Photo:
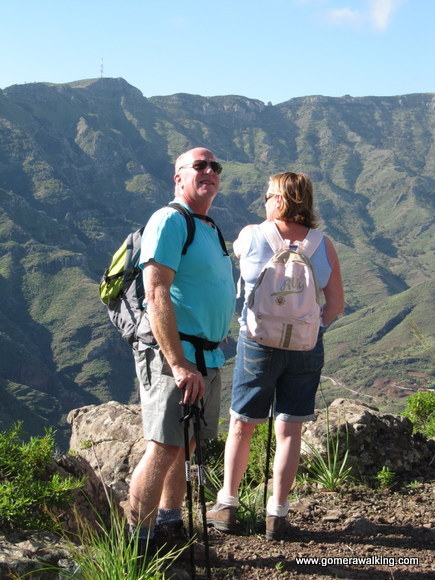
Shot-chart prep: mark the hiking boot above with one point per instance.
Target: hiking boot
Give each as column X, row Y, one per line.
column 170, row 537
column 173, row 537
column 146, row 550
column 222, row 517
column 175, row 572
column 276, row 527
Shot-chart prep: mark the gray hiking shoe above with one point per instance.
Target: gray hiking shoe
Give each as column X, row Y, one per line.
column 276, row 527
column 222, row 517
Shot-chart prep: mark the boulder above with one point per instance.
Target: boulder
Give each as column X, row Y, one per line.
column 374, row 440
column 110, row 438
column 34, row 554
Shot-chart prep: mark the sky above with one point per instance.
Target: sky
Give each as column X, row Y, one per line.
column 271, row 50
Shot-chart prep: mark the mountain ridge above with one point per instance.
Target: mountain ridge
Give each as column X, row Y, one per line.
column 84, row 163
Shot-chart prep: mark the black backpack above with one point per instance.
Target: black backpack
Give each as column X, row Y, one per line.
column 121, row 287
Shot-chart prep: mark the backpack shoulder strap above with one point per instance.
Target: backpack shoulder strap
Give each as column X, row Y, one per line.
column 190, row 223
column 312, row 241
column 272, row 235
column 212, row 222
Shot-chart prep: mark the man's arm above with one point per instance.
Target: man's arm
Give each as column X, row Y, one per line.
column 158, row 280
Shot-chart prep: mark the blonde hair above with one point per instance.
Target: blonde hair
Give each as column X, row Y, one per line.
column 296, row 190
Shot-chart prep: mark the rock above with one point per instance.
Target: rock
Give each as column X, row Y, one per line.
column 332, row 516
column 374, row 440
column 363, row 527
column 32, row 553
column 110, row 438
column 92, row 503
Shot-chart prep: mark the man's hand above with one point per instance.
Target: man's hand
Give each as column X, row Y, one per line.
column 188, row 377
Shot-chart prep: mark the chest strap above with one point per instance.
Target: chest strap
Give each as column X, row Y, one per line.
column 200, row 344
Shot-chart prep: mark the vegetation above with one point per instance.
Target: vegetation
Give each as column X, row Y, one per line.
column 95, row 552
column 330, row 471
column 83, row 164
column 385, row 477
column 28, row 489
column 420, row 409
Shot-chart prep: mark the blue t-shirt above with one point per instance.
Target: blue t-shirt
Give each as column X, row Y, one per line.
column 203, row 292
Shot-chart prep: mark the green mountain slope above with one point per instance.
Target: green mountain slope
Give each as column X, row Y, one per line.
column 83, row 164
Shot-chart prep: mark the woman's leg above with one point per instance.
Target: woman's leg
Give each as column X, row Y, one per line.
column 236, row 454
column 287, row 457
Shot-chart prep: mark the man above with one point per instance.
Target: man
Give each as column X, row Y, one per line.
column 193, row 294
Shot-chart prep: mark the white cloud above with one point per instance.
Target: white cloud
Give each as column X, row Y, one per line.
column 381, row 12
column 343, row 15
column 376, row 12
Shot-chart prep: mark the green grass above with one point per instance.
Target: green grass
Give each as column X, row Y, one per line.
column 110, row 553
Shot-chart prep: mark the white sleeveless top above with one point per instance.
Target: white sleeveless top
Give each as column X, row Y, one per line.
column 259, row 253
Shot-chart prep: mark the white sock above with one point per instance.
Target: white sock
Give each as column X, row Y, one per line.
column 232, row 500
column 273, row 509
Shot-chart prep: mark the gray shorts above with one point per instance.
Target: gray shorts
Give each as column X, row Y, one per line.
column 160, row 400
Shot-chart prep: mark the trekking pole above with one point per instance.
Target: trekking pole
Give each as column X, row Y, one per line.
column 198, row 415
column 269, row 442
column 187, row 413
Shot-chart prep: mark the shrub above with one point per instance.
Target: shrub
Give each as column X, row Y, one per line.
column 27, row 488
column 420, row 410
column 385, row 477
column 329, row 469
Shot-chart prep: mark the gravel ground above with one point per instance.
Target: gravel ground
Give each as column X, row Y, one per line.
column 358, row 533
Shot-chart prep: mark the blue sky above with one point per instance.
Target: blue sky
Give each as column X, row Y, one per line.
column 272, row 50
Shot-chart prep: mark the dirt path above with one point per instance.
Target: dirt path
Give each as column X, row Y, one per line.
column 357, row 534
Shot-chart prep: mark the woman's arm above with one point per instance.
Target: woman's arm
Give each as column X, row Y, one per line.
column 241, row 245
column 333, row 291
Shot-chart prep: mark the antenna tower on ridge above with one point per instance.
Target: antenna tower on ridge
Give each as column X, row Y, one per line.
column 101, row 68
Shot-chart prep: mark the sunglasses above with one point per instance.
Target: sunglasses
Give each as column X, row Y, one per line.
column 201, row 164
column 267, row 197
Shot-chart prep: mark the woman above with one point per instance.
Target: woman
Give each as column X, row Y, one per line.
column 263, row 374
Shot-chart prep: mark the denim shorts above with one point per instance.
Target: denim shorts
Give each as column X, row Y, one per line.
column 262, row 373
column 161, row 400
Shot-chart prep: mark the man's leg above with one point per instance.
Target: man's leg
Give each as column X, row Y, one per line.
column 174, row 485
column 148, row 481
